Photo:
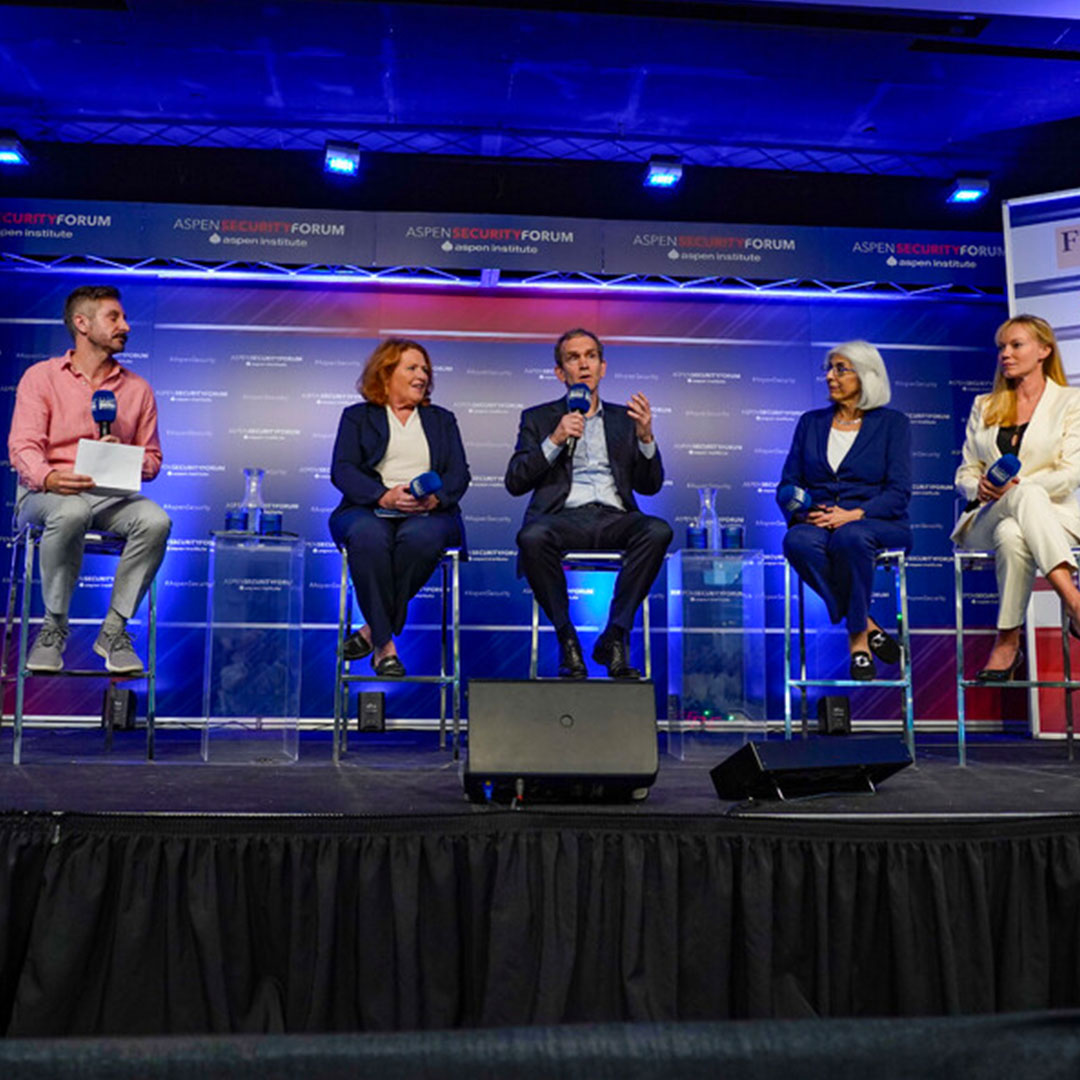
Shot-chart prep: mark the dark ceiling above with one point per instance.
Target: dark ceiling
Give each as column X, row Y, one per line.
column 784, row 112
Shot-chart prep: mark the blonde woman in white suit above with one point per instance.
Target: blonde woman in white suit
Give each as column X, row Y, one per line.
column 1033, row 520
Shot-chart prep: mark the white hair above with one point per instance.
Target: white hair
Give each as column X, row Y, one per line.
column 870, row 368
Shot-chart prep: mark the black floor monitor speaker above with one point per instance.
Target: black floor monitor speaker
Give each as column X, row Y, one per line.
column 834, row 715
column 118, row 708
column 371, row 710
column 802, row 767
column 560, row 741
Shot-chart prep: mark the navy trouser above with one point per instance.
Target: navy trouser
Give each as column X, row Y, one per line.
column 839, row 565
column 390, row 559
column 643, row 539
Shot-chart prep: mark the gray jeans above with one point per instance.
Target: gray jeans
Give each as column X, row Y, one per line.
column 65, row 520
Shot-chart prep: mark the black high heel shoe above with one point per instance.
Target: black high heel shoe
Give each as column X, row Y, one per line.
column 1002, row 675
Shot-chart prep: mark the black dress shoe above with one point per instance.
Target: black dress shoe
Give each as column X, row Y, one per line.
column 356, row 647
column 612, row 651
column 571, row 659
column 862, row 666
column 885, row 648
column 389, row 666
column 1000, row 675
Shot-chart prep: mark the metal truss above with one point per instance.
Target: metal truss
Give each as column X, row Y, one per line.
column 477, row 142
column 570, row 281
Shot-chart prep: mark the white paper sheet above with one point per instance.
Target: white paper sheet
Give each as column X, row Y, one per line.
column 115, row 467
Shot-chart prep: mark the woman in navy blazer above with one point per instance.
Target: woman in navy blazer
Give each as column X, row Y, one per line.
column 393, row 540
column 852, row 460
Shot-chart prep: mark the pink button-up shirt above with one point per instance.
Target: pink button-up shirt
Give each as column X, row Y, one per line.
column 52, row 413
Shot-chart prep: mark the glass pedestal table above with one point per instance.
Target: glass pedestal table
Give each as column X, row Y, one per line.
column 251, row 684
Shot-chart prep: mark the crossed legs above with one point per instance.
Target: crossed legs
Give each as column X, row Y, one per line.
column 839, row 565
column 1027, row 534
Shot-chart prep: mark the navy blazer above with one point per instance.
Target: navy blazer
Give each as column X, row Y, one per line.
column 875, row 475
column 362, row 438
column 550, row 483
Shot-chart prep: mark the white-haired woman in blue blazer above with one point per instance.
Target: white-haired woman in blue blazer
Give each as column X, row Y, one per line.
column 853, row 459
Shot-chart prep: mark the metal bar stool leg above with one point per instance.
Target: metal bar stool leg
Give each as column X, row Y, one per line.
column 961, row 727
column 455, row 609
column 341, row 690
column 151, row 670
column 646, row 632
column 906, row 660
column 442, row 656
column 802, row 658
column 534, row 642
column 9, row 612
column 1066, row 667
column 24, row 635
column 787, row 649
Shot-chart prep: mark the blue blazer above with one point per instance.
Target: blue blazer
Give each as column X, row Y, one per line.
column 875, row 475
column 362, row 438
column 529, row 470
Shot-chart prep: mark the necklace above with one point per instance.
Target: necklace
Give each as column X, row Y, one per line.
column 837, row 422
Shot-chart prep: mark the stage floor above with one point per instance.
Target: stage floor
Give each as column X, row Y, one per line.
column 404, row 774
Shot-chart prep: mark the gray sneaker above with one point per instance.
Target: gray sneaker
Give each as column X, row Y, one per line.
column 119, row 653
column 47, row 653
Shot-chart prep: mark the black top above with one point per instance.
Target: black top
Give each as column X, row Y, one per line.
column 1010, row 438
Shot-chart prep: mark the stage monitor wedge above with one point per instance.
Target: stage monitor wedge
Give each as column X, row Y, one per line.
column 560, row 741
column 803, row 767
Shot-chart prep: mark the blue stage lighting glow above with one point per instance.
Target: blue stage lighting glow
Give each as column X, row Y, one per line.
column 342, row 159
column 663, row 172
column 969, row 190
column 12, row 151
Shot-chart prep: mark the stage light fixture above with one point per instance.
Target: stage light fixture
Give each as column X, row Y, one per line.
column 12, row 152
column 663, row 172
column 342, row 158
column 969, row 189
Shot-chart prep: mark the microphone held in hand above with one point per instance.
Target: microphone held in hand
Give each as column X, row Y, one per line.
column 578, row 399
column 793, row 499
column 1003, row 470
column 103, row 410
column 425, row 484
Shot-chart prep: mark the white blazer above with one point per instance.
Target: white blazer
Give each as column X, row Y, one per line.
column 1049, row 454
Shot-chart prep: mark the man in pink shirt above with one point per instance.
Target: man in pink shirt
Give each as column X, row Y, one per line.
column 52, row 413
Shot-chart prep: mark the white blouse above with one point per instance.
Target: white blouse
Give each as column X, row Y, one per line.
column 840, row 442
column 407, row 453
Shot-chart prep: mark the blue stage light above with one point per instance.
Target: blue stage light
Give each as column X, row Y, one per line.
column 969, row 189
column 342, row 159
column 663, row 172
column 12, row 151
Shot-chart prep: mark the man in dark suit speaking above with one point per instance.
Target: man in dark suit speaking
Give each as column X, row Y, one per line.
column 583, row 468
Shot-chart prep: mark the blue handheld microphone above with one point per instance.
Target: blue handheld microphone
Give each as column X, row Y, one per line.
column 1003, row 470
column 425, row 484
column 793, row 499
column 103, row 410
column 578, row 399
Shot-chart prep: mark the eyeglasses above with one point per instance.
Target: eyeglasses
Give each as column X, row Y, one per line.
column 839, row 370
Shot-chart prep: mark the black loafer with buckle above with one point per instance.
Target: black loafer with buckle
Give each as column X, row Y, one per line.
column 862, row 666
column 885, row 648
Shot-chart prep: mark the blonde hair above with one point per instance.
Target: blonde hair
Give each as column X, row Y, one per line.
column 375, row 378
column 1000, row 405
